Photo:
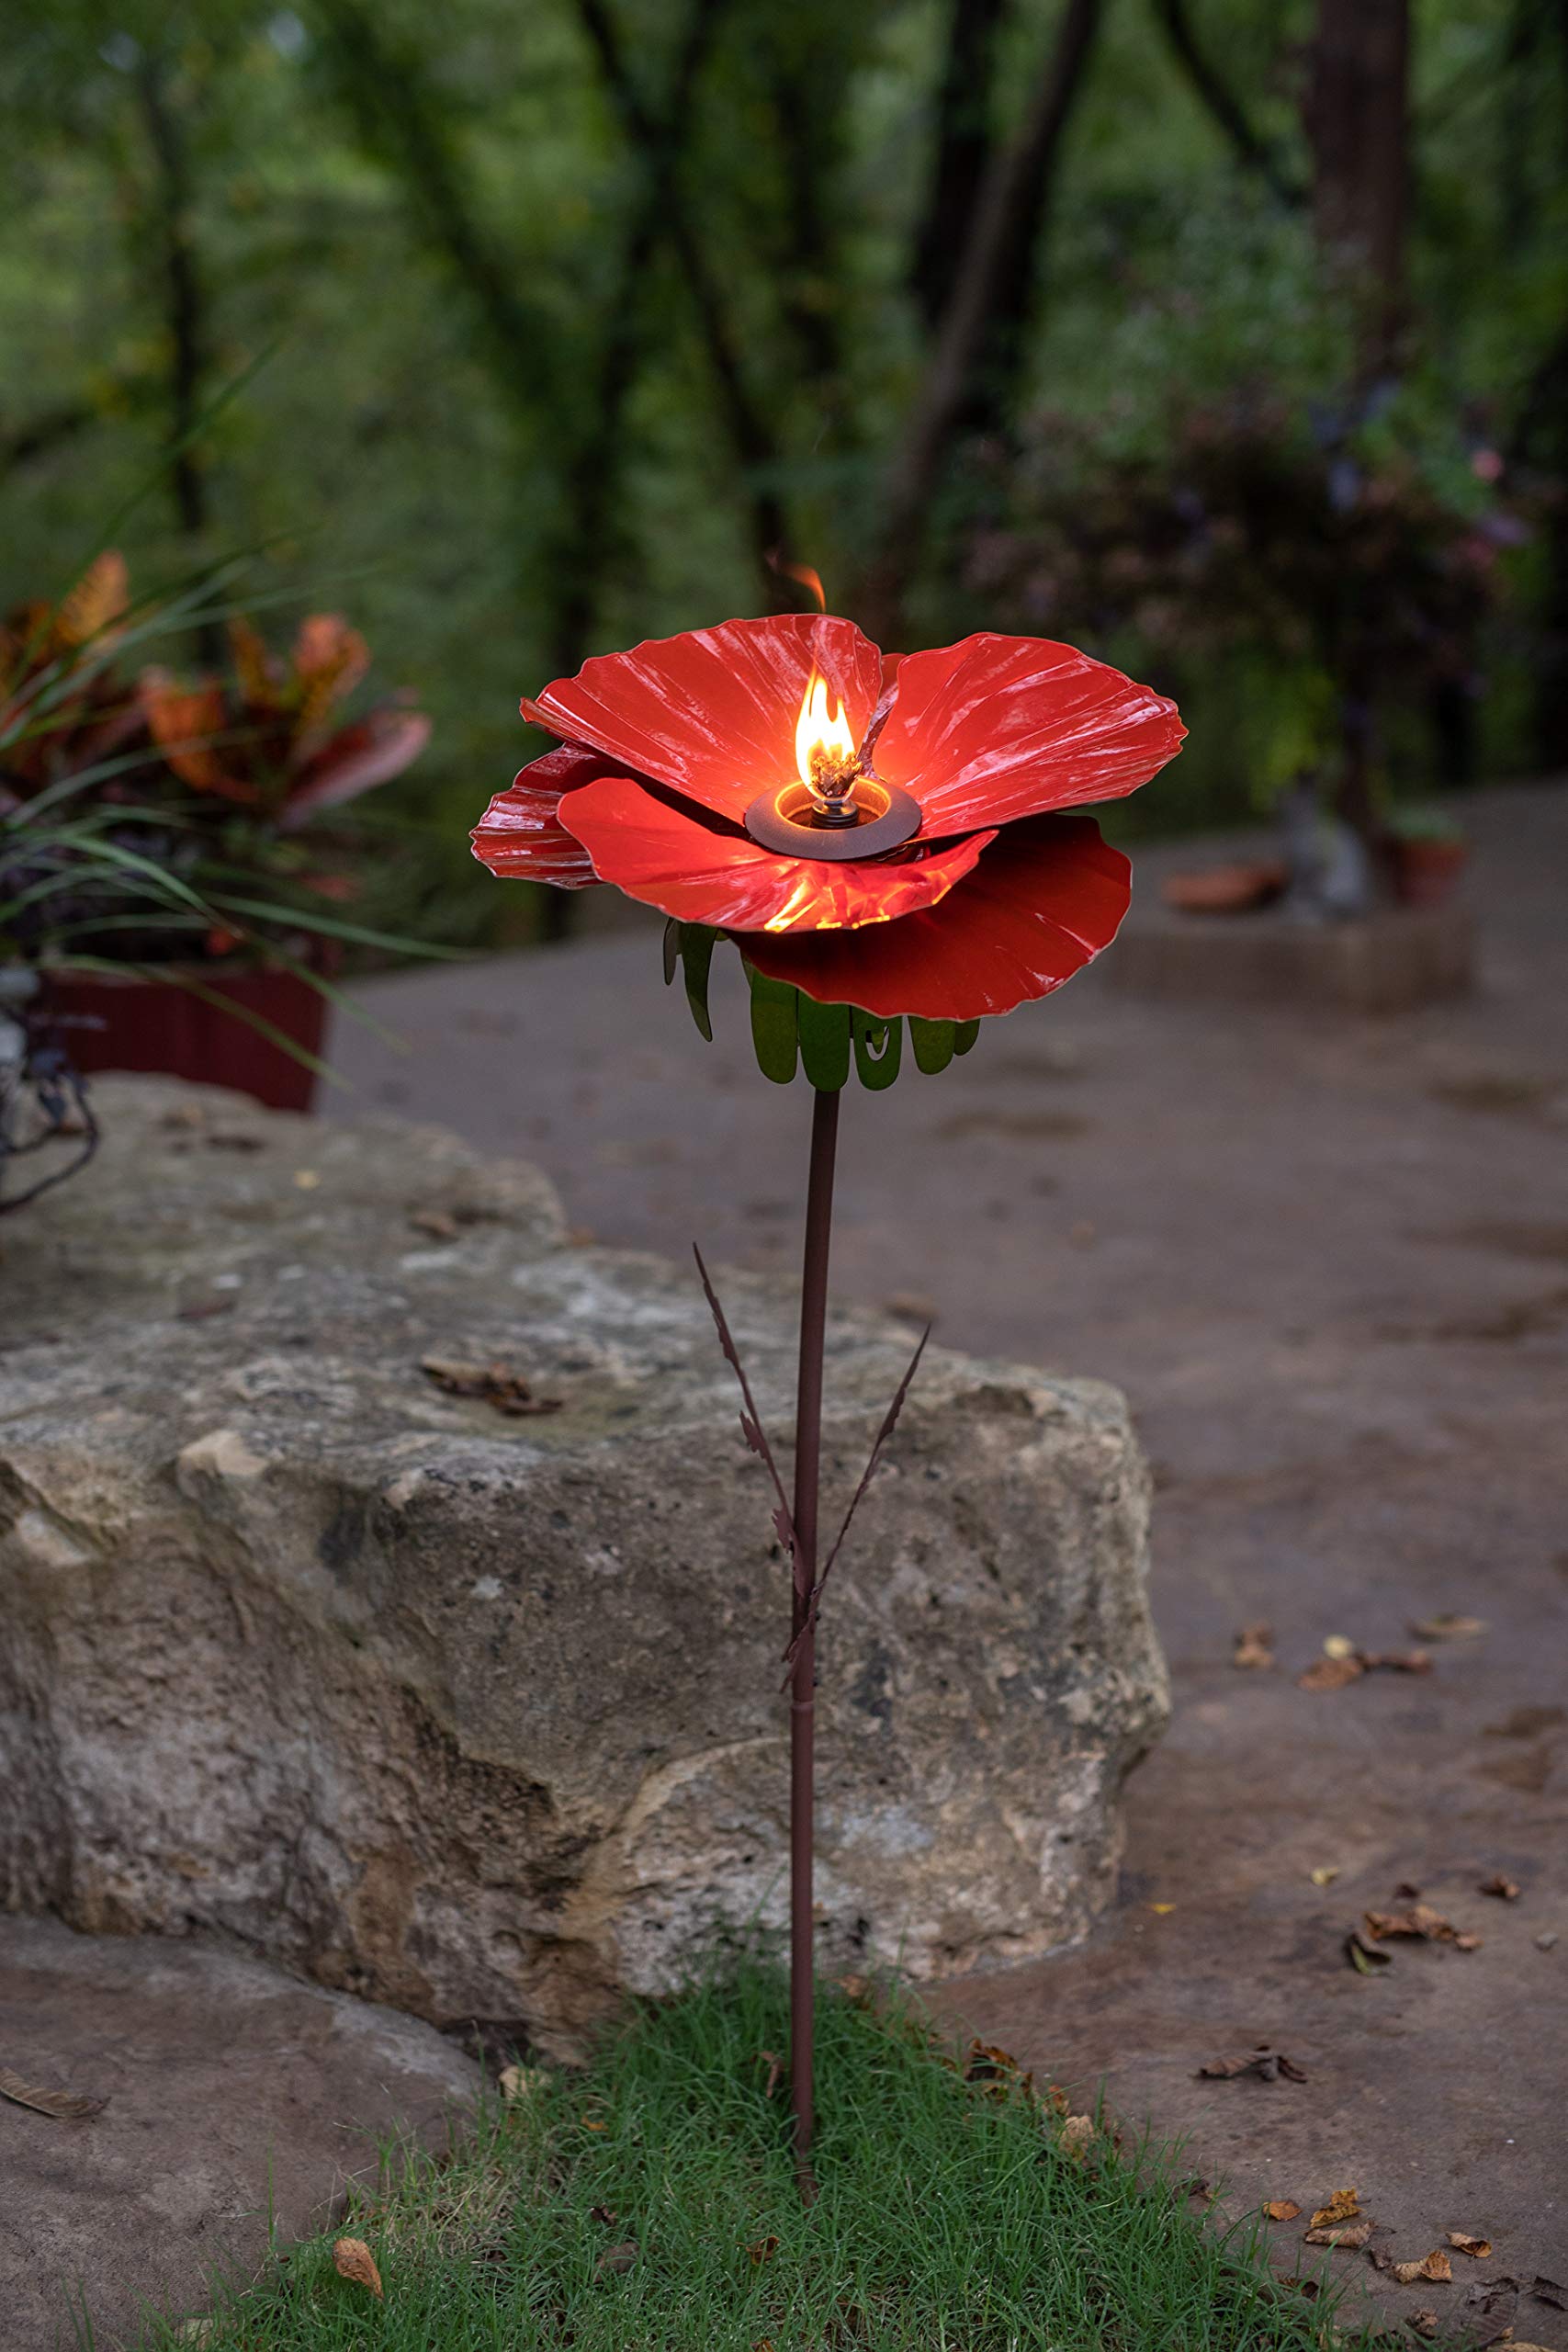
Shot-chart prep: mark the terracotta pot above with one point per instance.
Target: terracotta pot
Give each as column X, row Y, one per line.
column 120, row 1022
column 1227, row 889
column 1425, row 872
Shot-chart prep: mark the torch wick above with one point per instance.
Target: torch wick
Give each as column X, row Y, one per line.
column 833, row 790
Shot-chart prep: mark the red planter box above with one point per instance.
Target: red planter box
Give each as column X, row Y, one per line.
column 112, row 1023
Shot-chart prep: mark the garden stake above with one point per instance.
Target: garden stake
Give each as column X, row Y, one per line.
column 891, row 843
column 803, row 1631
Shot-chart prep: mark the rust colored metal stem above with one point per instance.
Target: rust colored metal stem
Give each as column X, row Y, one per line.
column 803, row 1699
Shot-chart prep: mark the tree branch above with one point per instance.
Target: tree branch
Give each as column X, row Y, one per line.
column 1220, row 101
column 989, row 290
column 748, row 431
column 388, row 96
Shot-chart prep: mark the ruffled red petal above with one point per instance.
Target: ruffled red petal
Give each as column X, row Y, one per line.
column 1042, row 901
column 656, row 852
column 521, row 836
column 713, row 712
column 999, row 727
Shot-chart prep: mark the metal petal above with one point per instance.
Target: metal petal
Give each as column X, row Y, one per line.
column 521, row 836
column 713, row 711
column 669, row 858
column 999, row 727
column 1042, row 901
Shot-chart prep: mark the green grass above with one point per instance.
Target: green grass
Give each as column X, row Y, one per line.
column 948, row 2217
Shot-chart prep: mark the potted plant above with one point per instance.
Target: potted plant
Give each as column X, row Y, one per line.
column 1428, row 850
column 163, row 864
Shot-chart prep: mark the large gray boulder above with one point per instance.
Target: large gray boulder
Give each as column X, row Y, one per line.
column 477, row 1713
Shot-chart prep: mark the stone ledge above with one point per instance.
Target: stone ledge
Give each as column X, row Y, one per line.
column 478, row 1716
column 1393, row 962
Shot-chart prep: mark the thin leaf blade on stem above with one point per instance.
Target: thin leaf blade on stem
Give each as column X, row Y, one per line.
column 751, row 1420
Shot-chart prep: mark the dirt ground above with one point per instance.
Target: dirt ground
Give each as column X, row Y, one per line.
column 1328, row 1259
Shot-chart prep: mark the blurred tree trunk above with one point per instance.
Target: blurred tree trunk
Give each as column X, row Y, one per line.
column 980, row 343
column 1356, row 116
column 1357, row 120
column 184, row 313
column 964, row 147
column 184, row 308
column 1540, row 441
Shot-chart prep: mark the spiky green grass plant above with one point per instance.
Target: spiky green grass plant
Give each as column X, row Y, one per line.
column 648, row 2204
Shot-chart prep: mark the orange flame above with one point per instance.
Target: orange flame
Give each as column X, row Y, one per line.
column 804, row 574
column 824, row 743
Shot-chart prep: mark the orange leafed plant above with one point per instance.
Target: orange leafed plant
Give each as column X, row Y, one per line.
column 271, row 739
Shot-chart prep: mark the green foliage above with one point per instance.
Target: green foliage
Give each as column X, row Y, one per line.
column 791, row 1032
column 650, row 2201
column 559, row 341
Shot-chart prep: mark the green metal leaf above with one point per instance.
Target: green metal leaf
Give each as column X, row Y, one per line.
column 696, row 953
column 671, row 949
column 933, row 1043
column 879, row 1049
column 963, row 1036
column 774, row 1026
column 824, row 1043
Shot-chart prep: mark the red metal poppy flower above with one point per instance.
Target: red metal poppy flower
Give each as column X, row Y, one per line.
column 877, row 832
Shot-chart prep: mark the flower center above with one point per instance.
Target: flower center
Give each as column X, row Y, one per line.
column 843, row 812
column 837, row 808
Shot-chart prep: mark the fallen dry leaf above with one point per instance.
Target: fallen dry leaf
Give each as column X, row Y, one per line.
column 764, row 2249
column 618, row 2258
column 1364, row 1957
column 1270, row 2066
column 63, row 2106
column 1506, row 1890
column 1420, row 1921
column 494, row 1383
column 1075, row 2136
column 1253, row 1648
column 1344, row 2205
column 1478, row 2249
column 592, row 2124
column 1435, row 2267
column 1395, row 1661
column 353, row 2259
column 984, row 2063
column 1423, row 2322
column 1448, row 1626
column 1281, row 2209
column 521, row 2082
column 604, row 2214
column 1347, row 2235
column 857, row 1989
column 1547, row 2291
column 1330, row 1674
